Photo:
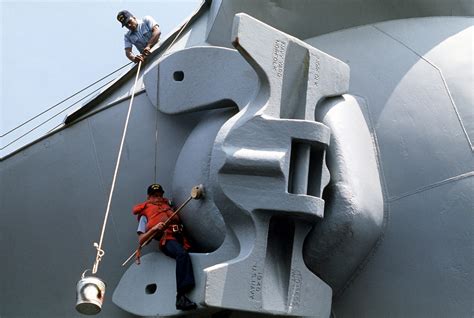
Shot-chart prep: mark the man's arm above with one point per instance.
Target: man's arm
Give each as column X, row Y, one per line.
column 144, row 237
column 131, row 57
column 155, row 37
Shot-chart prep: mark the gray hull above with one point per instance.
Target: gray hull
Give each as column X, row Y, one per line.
column 386, row 225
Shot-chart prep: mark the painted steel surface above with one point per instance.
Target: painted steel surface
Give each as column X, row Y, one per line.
column 410, row 85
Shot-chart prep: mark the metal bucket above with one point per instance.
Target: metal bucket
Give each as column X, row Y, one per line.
column 90, row 295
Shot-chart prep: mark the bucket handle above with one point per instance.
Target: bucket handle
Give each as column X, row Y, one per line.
column 84, row 273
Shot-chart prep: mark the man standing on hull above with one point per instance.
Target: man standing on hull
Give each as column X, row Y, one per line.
column 152, row 216
column 143, row 34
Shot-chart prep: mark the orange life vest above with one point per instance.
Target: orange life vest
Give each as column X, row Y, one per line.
column 154, row 212
column 157, row 212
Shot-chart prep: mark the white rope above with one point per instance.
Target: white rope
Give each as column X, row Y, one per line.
column 100, row 251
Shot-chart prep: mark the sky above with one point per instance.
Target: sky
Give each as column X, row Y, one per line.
column 52, row 49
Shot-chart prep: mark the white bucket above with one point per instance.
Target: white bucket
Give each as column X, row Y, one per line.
column 90, row 295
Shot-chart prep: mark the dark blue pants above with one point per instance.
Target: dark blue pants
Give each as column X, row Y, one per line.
column 184, row 267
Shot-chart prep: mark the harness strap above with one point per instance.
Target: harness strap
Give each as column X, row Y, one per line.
column 138, row 254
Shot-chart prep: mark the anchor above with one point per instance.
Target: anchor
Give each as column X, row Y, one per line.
column 267, row 172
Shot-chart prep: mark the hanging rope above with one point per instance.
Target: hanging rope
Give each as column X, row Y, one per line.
column 100, row 251
column 156, row 145
column 156, row 125
column 98, row 246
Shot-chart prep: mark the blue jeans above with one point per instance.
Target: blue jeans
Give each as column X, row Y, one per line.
column 184, row 267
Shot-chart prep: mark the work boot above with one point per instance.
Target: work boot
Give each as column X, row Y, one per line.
column 183, row 303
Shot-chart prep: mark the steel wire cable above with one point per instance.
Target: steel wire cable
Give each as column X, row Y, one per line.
column 64, row 100
column 54, row 116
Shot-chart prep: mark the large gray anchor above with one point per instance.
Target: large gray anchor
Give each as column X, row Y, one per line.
column 268, row 171
column 266, row 175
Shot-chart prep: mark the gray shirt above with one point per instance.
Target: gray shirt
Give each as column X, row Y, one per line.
column 141, row 35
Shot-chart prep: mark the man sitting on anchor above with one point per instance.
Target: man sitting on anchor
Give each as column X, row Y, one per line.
column 157, row 219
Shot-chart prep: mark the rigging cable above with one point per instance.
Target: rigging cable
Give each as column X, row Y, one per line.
column 47, row 120
column 64, row 100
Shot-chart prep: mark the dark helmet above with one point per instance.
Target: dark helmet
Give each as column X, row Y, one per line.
column 155, row 188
